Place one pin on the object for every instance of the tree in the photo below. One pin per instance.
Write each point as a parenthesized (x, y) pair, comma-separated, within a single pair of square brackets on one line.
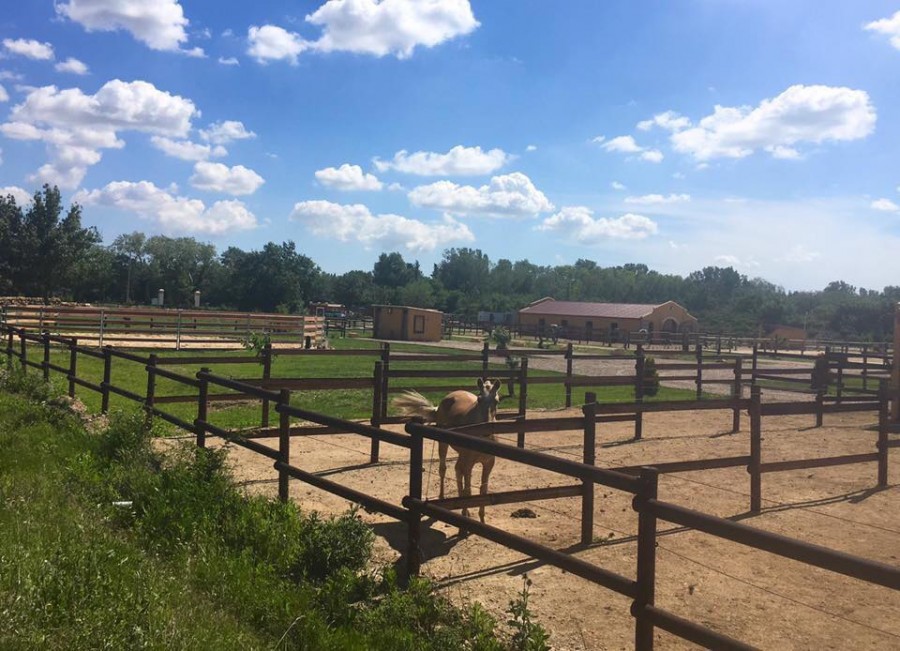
[(179, 266), (42, 247), (464, 269), (391, 270), (131, 249)]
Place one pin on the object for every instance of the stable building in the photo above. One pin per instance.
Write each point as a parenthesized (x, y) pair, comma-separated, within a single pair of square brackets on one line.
[(603, 321), (406, 323)]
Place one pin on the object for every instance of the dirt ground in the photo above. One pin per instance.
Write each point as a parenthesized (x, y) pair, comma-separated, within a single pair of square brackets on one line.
[(757, 597)]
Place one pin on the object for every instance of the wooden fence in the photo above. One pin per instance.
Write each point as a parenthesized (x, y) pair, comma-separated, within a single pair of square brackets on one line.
[(413, 508), (176, 329)]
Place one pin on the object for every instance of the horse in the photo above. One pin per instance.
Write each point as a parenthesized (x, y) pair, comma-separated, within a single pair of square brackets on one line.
[(458, 408)]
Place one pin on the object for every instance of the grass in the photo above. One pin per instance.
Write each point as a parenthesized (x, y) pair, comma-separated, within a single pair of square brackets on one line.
[(107, 543), (348, 403)]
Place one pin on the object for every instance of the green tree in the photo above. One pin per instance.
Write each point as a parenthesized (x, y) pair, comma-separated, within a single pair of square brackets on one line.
[(131, 249)]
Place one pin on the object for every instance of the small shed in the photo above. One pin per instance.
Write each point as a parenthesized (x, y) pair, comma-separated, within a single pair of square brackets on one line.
[(406, 323)]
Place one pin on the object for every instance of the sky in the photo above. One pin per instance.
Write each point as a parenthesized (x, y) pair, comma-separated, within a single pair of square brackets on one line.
[(760, 135)]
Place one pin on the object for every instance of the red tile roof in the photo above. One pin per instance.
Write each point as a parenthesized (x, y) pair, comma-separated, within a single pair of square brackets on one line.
[(599, 310)]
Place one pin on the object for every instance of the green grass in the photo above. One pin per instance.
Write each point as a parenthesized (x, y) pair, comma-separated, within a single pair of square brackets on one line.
[(189, 562), (349, 403)]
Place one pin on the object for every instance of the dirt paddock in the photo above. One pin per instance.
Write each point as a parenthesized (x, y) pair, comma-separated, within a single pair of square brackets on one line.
[(754, 596)]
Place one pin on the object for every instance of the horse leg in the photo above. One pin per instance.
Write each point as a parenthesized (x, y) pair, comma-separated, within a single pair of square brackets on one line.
[(463, 480), (442, 466), (487, 464)]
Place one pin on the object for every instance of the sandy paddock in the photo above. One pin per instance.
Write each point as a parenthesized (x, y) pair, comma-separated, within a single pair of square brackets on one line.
[(754, 596)]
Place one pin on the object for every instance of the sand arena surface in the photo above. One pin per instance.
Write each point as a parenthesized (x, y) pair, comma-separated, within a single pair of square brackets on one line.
[(752, 595)]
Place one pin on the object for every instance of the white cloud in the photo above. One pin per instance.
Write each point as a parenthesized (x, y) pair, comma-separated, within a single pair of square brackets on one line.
[(173, 214), (29, 48), (531, 148), (884, 205), (21, 195), (73, 66), (76, 126), (4, 96), (216, 177), (799, 254), (888, 27), (579, 224), (187, 150), (658, 199), (669, 120), (729, 260), (355, 223), (615, 185), (459, 161), (801, 114), (348, 177), (229, 61), (273, 43), (382, 27), (160, 24), (627, 145), (221, 133), (508, 195)]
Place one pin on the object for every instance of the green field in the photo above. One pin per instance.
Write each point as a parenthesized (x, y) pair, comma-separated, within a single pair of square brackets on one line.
[(348, 403)]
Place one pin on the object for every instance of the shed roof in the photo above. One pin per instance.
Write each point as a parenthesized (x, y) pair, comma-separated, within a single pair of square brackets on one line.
[(598, 310)]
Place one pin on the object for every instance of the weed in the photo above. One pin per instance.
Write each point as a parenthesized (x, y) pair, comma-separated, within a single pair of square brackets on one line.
[(528, 635)]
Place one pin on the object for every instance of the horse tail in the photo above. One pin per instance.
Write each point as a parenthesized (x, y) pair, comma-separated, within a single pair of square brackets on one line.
[(414, 404)]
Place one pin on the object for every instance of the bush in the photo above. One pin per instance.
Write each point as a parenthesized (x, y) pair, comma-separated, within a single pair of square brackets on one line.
[(501, 336), (651, 377), (821, 374)]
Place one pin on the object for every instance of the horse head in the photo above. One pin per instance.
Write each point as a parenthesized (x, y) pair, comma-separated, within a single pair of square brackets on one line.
[(488, 399)]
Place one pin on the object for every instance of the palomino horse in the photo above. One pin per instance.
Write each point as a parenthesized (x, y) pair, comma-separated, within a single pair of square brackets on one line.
[(458, 408)]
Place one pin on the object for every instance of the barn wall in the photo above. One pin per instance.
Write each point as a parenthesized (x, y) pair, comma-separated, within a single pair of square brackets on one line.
[(406, 323)]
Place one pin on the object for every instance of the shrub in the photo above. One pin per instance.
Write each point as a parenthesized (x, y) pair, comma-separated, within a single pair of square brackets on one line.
[(651, 377), (501, 336)]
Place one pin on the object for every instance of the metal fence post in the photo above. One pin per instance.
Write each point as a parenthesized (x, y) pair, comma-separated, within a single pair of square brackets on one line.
[(738, 393), (569, 364), (151, 387), (202, 408), (646, 560), (73, 365), (523, 401), (284, 445), (23, 345), (589, 457), (266, 375), (639, 363), (45, 365)]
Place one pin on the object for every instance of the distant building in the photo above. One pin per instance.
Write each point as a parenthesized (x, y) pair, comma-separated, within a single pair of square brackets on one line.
[(497, 318), (793, 334), (597, 321), (406, 323)]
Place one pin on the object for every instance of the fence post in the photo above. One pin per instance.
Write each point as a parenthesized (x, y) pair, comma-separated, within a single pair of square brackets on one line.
[(376, 394), (883, 419), (699, 380), (523, 401), (589, 457), (107, 378), (413, 554), (23, 345), (569, 362), (100, 329), (9, 347), (865, 370), (485, 358), (839, 387), (754, 364), (820, 406), (385, 379), (202, 409), (178, 330), (151, 387), (646, 559), (73, 365), (639, 391), (45, 365), (266, 375), (284, 445), (738, 393), (755, 449)]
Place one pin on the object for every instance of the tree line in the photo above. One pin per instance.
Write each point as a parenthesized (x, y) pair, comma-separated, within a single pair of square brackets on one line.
[(45, 252)]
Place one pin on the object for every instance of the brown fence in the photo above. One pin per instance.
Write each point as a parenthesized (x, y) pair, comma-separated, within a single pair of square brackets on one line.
[(173, 328), (648, 507)]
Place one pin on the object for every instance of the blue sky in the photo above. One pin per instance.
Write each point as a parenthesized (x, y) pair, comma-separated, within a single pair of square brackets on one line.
[(753, 134)]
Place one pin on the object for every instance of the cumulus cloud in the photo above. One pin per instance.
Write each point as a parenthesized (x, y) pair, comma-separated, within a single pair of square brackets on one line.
[(801, 114), (579, 224), (375, 27), (29, 48), (355, 223), (73, 66), (627, 145), (459, 161), (4, 96), (348, 177), (229, 61), (187, 150), (173, 214), (649, 199), (76, 126), (884, 205), (222, 133), (21, 195), (615, 185), (669, 120), (531, 148), (160, 25), (512, 195), (889, 27), (273, 43), (216, 177)]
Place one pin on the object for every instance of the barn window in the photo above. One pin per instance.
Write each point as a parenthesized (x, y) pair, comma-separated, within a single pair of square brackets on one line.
[(419, 325)]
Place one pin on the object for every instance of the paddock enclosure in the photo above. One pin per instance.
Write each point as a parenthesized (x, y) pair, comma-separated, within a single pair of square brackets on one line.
[(728, 520)]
